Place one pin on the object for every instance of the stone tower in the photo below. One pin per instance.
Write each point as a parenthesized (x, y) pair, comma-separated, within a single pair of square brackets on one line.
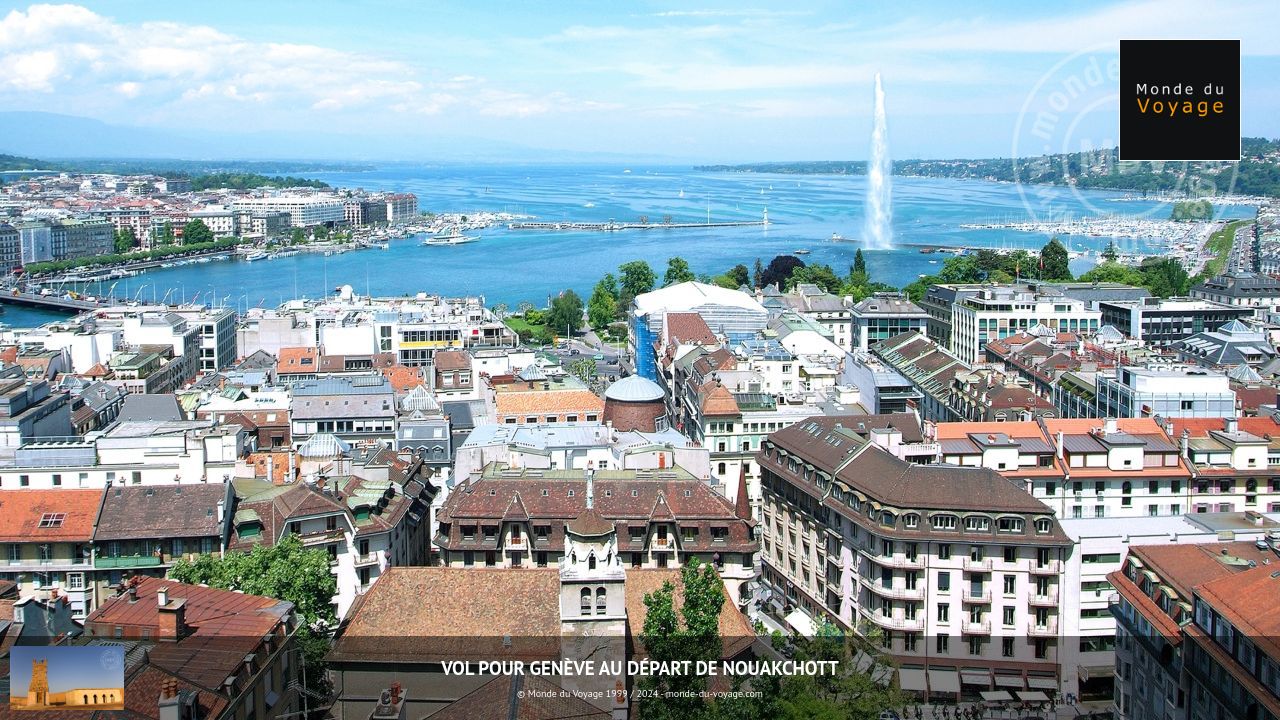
[(38, 692), (593, 606)]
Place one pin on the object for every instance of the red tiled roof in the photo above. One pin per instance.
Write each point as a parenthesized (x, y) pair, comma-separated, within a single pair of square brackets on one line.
[(1200, 427), (33, 515), (688, 328), (297, 360), (402, 378), (452, 360)]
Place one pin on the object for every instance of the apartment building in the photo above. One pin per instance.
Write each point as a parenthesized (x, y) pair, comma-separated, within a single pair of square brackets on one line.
[(517, 517), (1235, 463), (930, 368), (1255, 291), (206, 653), (365, 523), (1195, 629), (131, 452), (401, 207), (958, 568), (352, 408), (724, 312), (304, 210), (996, 312), (30, 410), (1163, 321), (882, 316), (815, 304), (10, 248), (48, 543)]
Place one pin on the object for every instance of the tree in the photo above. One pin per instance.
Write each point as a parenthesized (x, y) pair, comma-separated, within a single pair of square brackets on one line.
[(501, 310), (677, 272), (739, 275), (666, 639), (286, 571), (859, 262), (821, 275), (1113, 272), (297, 236), (125, 241), (1054, 261), (859, 688), (757, 274), (166, 235), (565, 313), (196, 232), (321, 232), (1110, 254), (602, 308), (1165, 277), (779, 271), (637, 278), (523, 308), (584, 368)]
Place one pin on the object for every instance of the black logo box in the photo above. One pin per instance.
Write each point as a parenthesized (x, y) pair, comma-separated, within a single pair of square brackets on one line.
[(1185, 67)]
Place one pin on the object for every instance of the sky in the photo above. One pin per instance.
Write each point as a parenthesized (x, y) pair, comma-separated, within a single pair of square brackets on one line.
[(70, 667), (730, 81)]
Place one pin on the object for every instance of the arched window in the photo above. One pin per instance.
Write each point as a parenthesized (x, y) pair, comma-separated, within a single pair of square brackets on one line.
[(586, 601), (1126, 488), (1251, 485), (95, 698), (600, 601), (591, 561), (86, 699)]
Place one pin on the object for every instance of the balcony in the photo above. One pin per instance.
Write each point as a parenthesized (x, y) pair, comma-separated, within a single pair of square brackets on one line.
[(1048, 628), (1043, 600), (324, 537), (893, 561), (128, 561), (517, 543), (1052, 567), (982, 627), (972, 565), (63, 563), (897, 623), (367, 559), (977, 596), (896, 593), (663, 544)]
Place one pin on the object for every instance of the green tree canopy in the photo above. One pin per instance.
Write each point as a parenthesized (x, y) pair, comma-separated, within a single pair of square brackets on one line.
[(1054, 261), (860, 689), (677, 272), (666, 639), (125, 241), (286, 571), (821, 275), (602, 308), (1111, 254), (859, 262), (637, 278), (739, 275), (779, 271), (196, 232), (1165, 277), (565, 313)]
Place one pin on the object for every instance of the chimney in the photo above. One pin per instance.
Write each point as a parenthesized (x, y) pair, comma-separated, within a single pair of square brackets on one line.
[(391, 704), (1110, 426), (271, 467), (162, 595), (173, 620), (1185, 443), (133, 595), (222, 510), (1058, 450), (591, 487), (1232, 424), (170, 704)]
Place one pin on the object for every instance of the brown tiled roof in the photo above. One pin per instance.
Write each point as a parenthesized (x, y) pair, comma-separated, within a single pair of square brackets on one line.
[(1183, 566), (589, 524), (426, 614), (163, 511), (736, 633), (279, 467), (717, 400), (423, 614), (688, 328), (452, 360), (549, 402), (402, 378), (297, 360), (23, 512), (224, 626), (1200, 427), (98, 371), (1248, 600), (520, 697)]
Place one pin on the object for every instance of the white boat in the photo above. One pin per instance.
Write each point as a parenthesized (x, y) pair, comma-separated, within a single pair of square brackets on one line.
[(802, 252), (589, 205), (255, 255), (836, 237), (452, 238)]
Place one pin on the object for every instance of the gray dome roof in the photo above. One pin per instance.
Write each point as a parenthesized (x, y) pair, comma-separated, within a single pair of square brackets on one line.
[(634, 389), (323, 445)]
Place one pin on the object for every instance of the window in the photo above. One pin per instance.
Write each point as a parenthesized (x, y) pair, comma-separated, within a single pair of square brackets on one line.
[(944, 613), (24, 481), (468, 558), (1008, 616), (585, 602), (944, 551), (944, 581), (1010, 554), (57, 480), (1006, 646), (490, 558), (941, 644), (601, 603), (1011, 525), (1010, 584), (51, 520)]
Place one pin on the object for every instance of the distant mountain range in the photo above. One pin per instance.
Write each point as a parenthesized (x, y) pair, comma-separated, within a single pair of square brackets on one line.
[(1258, 170), (52, 136)]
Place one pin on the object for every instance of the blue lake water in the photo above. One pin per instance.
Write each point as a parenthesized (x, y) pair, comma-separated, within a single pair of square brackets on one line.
[(514, 265)]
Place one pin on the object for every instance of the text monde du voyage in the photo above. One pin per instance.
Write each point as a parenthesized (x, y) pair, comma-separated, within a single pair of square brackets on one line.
[(1181, 99)]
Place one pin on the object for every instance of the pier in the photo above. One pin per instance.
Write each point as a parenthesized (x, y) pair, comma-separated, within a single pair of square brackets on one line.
[(612, 226), (51, 302)]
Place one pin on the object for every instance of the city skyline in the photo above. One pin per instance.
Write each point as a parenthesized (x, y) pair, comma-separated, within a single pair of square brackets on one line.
[(711, 82)]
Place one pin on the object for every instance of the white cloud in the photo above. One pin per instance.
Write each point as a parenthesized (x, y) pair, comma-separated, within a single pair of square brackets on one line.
[(29, 71), (129, 89)]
